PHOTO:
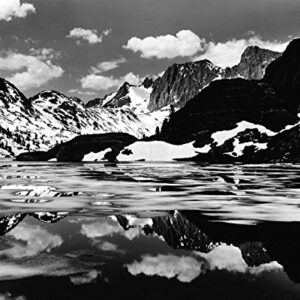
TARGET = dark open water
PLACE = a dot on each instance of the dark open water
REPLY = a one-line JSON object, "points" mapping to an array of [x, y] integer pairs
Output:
{"points": [[149, 230]]}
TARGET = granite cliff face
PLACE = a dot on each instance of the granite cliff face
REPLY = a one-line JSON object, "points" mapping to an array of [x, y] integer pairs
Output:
{"points": [[180, 83], [253, 64]]}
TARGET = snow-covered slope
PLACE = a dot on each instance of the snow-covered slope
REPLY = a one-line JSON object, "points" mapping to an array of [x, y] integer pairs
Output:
{"points": [[136, 99], [49, 118]]}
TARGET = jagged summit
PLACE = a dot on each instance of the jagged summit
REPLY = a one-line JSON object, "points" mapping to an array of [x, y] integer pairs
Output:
{"points": [[253, 63], [181, 82]]}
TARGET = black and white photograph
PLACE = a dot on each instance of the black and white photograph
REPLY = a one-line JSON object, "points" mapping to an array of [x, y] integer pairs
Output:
{"points": [[149, 149]]}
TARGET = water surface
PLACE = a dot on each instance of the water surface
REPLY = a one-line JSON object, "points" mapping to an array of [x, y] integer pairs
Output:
{"points": [[146, 230]]}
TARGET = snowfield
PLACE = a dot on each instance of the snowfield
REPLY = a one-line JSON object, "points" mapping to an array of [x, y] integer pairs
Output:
{"points": [[158, 151]]}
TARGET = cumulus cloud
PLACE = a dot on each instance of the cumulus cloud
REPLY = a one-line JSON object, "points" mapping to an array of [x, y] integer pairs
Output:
{"points": [[100, 82], [228, 54], [30, 240], [14, 8], [31, 70], [184, 268], [187, 268], [184, 43], [96, 81], [107, 65], [90, 35], [108, 227]]}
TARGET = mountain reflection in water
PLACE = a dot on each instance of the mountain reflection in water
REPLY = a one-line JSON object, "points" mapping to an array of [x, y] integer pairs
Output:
{"points": [[141, 230]]}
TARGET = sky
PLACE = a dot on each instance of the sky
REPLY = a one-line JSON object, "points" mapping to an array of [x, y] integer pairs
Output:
{"points": [[89, 48]]}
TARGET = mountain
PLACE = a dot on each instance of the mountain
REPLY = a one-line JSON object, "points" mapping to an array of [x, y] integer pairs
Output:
{"points": [[253, 64], [128, 96], [182, 82], [49, 118], [222, 105], [242, 120]]}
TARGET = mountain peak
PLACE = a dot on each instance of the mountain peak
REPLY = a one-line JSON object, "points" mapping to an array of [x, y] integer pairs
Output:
{"points": [[255, 52], [9, 94], [147, 82]]}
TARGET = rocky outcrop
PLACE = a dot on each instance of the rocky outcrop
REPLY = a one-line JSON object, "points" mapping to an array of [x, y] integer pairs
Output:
{"points": [[253, 64], [182, 82], [76, 149], [121, 98]]}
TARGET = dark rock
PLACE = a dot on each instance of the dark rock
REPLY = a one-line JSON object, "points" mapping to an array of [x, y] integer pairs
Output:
{"points": [[148, 82], [225, 103], [77, 148], [284, 74], [121, 98], [34, 156]]}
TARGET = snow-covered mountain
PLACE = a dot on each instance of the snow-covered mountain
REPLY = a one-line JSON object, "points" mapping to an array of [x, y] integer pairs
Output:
{"points": [[48, 118], [181, 82]]}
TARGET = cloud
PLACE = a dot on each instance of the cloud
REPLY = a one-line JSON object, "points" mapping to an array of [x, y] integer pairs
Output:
{"points": [[184, 268], [185, 43], [107, 66], [89, 35], [85, 278], [105, 227], [187, 268], [100, 82], [226, 257], [108, 227], [228, 54], [36, 240], [14, 8], [79, 92], [33, 69]]}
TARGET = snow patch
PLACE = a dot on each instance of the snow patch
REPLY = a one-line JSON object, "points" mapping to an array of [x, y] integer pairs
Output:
{"points": [[220, 137], [158, 151], [96, 156]]}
